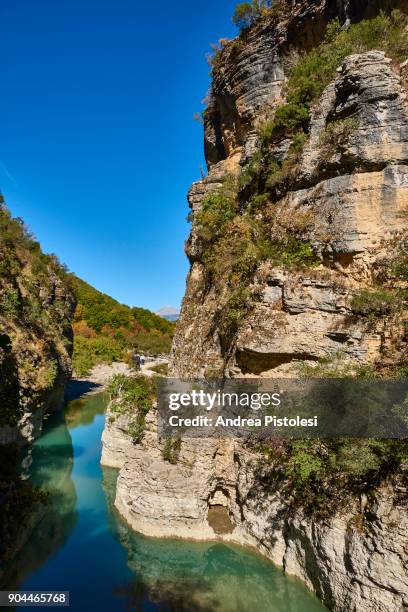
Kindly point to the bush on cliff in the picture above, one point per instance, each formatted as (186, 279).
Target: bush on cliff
(216, 210)
(10, 303)
(171, 450)
(399, 266)
(321, 476)
(132, 397)
(247, 13)
(373, 304)
(316, 69)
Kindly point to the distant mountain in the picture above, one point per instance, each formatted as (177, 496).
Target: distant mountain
(169, 312)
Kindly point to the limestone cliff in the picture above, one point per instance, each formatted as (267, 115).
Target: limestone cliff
(298, 267)
(343, 193)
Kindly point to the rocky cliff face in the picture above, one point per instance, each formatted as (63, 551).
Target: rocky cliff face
(36, 306)
(349, 192)
(297, 252)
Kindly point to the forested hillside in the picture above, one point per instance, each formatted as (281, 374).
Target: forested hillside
(106, 331)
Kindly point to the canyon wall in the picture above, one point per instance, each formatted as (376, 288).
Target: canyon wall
(349, 190)
(317, 228)
(36, 307)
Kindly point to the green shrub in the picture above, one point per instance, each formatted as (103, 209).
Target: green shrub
(337, 133)
(314, 71)
(216, 211)
(374, 303)
(171, 450)
(132, 396)
(136, 427)
(303, 463)
(298, 253)
(235, 309)
(288, 119)
(399, 266)
(247, 13)
(48, 376)
(324, 475)
(89, 352)
(400, 368)
(130, 390)
(251, 170)
(9, 303)
(257, 203)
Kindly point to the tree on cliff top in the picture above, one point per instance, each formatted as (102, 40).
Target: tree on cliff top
(247, 13)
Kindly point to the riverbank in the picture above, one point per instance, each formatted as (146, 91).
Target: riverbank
(99, 376)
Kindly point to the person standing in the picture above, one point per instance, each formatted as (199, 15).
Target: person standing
(136, 361)
(142, 359)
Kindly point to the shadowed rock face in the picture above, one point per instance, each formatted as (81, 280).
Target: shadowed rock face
(36, 306)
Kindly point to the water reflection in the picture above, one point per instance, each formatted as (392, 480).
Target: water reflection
(50, 469)
(48, 464)
(82, 411)
(187, 576)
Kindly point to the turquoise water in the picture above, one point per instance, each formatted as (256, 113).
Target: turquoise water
(84, 547)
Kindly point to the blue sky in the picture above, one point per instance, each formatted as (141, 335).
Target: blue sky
(98, 145)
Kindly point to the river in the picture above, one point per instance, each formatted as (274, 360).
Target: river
(83, 546)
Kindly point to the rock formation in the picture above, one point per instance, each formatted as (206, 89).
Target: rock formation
(354, 193)
(36, 306)
(328, 201)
